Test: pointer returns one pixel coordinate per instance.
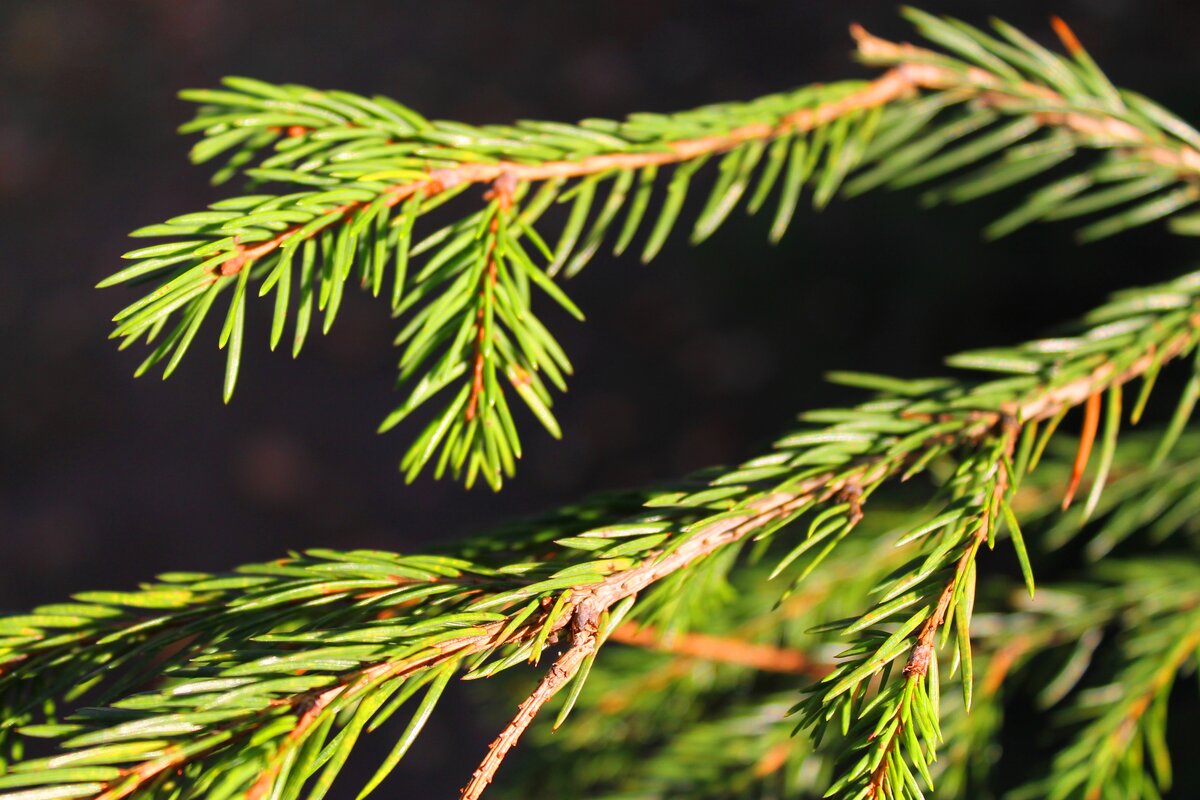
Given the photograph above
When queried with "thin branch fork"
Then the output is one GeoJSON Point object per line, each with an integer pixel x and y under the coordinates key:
{"type": "Point", "coordinates": [590, 603]}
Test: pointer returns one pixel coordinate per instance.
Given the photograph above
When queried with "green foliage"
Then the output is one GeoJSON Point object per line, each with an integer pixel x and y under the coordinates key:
{"type": "Point", "coordinates": [672, 725]}
{"type": "Point", "coordinates": [899, 622]}
{"type": "Point", "coordinates": [351, 178]}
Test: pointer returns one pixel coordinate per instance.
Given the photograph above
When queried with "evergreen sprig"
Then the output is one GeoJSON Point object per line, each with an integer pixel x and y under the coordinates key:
{"type": "Point", "coordinates": [259, 683]}
{"type": "Point", "coordinates": [367, 631]}
{"type": "Point", "coordinates": [353, 176]}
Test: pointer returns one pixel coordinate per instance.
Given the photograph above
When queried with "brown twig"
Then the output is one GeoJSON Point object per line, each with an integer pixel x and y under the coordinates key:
{"type": "Point", "coordinates": [723, 649]}
{"type": "Point", "coordinates": [583, 644]}
{"type": "Point", "coordinates": [311, 714]}
{"type": "Point", "coordinates": [775, 757]}
{"type": "Point", "coordinates": [1002, 663]}
{"type": "Point", "coordinates": [590, 602]}
{"type": "Point", "coordinates": [618, 698]}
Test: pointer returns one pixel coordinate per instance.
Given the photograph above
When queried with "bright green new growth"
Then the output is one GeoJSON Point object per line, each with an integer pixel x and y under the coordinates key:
{"type": "Point", "coordinates": [809, 566]}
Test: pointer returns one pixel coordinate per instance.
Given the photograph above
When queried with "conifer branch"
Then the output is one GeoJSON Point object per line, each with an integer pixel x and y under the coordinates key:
{"type": "Point", "coordinates": [354, 599]}
{"type": "Point", "coordinates": [635, 710]}
{"type": "Point", "coordinates": [355, 175]}
{"type": "Point", "coordinates": [258, 683]}
{"type": "Point", "coordinates": [896, 83]}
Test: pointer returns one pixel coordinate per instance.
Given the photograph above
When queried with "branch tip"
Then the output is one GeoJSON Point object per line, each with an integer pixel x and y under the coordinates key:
{"type": "Point", "coordinates": [1091, 423]}
{"type": "Point", "coordinates": [1066, 35]}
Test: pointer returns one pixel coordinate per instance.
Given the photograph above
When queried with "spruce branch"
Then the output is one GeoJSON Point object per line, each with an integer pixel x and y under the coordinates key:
{"type": "Point", "coordinates": [366, 627]}
{"type": "Point", "coordinates": [259, 683]}
{"type": "Point", "coordinates": [356, 174]}
{"type": "Point", "coordinates": [674, 727]}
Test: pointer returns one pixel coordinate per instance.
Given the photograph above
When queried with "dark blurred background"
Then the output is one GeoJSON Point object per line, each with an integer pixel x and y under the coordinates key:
{"type": "Point", "coordinates": [698, 359]}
